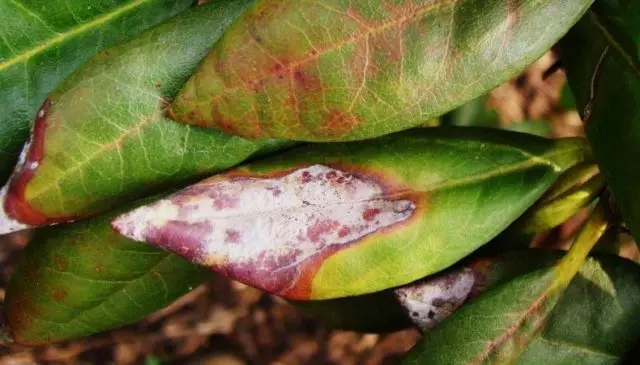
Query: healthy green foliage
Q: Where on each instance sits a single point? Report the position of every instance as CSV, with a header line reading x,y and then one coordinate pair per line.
x,y
43,41
596,321
360,217
602,58
337,70
82,278
103,140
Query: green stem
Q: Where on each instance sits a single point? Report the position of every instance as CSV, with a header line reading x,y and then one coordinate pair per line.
x,y
589,235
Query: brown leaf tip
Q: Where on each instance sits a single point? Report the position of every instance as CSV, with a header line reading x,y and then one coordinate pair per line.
x,y
268,232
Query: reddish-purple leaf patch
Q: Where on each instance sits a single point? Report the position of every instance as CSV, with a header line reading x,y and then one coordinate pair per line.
x,y
270,232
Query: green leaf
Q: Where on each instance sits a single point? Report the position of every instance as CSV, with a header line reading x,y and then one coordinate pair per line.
x,y
374,313
595,322
602,58
43,41
337,70
475,113
342,219
82,278
500,324
101,138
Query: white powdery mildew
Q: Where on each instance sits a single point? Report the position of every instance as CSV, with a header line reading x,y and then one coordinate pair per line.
x,y
273,223
8,224
431,301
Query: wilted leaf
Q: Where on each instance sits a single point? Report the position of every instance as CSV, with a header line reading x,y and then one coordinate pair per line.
x,y
101,139
328,70
342,219
83,278
499,325
43,41
602,58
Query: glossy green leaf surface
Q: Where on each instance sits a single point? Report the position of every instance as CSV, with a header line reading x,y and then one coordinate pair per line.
x,y
602,58
101,138
82,278
43,41
499,325
343,219
337,70
597,320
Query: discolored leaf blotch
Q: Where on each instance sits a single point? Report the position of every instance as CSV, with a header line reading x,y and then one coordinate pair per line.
x,y
83,278
335,220
43,41
335,70
602,58
431,300
101,138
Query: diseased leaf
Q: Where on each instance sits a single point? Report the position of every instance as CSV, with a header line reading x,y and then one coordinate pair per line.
x,y
82,278
43,41
431,300
594,323
343,219
499,325
101,139
602,58
336,70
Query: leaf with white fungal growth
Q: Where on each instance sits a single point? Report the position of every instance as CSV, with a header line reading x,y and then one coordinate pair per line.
x,y
498,326
596,322
334,220
429,301
101,139
335,70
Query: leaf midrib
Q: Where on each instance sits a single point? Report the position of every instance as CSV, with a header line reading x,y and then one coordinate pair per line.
x,y
62,37
512,330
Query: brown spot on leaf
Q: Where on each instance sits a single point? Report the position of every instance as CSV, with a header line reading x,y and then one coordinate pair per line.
x,y
338,123
59,295
60,263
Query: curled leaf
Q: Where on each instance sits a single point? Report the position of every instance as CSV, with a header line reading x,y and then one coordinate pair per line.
x,y
83,278
334,220
43,41
101,139
330,70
